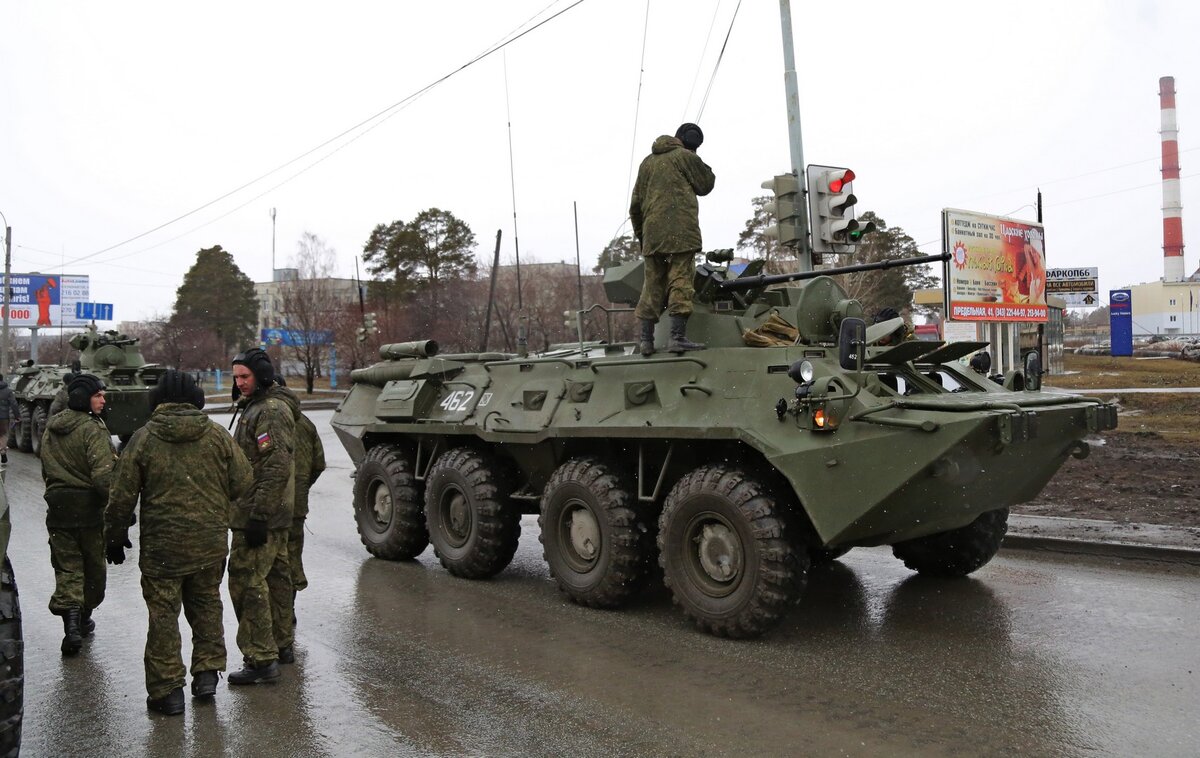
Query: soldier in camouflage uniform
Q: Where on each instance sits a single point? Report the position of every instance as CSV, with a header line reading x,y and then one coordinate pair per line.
x,y
187,471
260,581
666,221
77,463
309,463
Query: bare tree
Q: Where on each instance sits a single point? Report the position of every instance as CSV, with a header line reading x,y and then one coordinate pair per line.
x,y
310,306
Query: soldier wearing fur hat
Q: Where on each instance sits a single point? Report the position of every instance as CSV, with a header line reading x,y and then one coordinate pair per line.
x,y
77,464
186,471
260,582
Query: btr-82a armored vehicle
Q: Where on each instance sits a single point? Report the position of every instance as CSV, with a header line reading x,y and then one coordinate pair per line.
x,y
734,467
113,357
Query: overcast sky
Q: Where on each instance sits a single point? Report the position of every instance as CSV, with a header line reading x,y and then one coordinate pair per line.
x,y
118,117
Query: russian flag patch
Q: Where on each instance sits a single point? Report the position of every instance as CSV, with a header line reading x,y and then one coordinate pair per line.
x,y
264,441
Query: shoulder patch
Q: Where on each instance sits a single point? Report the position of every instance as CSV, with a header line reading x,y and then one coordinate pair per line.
x,y
264,441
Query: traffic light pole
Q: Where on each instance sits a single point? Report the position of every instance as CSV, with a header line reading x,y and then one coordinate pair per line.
x,y
792,89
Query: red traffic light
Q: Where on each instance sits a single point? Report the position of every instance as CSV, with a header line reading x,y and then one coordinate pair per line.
x,y
837,182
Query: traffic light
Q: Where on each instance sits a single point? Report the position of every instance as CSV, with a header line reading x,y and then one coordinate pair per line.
x,y
831,210
369,326
786,208
362,333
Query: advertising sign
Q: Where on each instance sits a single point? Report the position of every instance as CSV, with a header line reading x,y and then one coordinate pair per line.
x,y
997,270
1120,321
45,300
1080,287
296,337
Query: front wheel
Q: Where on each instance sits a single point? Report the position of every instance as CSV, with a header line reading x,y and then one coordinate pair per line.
x,y
387,505
25,432
957,552
473,528
725,553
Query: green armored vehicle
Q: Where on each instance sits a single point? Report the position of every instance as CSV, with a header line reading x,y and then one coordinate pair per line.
x,y
732,467
114,358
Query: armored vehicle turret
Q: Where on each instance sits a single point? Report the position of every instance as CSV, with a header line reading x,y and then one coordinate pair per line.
x,y
114,357
734,468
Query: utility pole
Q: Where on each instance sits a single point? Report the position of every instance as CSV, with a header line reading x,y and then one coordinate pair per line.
x,y
795,141
7,289
272,244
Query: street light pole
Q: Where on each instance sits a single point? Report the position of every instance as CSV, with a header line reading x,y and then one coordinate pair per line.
x,y
7,289
272,244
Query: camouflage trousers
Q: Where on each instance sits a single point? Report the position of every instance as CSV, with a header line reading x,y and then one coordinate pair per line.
x,y
200,595
260,586
296,554
80,573
670,278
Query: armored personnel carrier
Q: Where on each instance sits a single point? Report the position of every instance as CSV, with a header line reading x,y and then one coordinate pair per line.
x,y
733,467
114,358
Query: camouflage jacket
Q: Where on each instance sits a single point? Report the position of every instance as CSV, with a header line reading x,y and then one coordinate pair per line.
x,y
309,457
77,464
187,471
59,404
266,434
664,209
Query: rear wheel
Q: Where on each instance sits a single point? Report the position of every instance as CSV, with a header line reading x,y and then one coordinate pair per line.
x,y
473,529
387,505
590,534
957,552
12,665
40,418
725,555
25,432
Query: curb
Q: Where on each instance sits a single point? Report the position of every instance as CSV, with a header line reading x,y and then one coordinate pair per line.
x,y
1127,550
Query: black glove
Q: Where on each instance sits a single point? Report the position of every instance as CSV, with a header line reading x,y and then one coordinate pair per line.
x,y
114,551
133,518
256,533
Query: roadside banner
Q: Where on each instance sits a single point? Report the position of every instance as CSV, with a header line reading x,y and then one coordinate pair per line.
x,y
1079,287
45,300
997,269
1120,322
296,337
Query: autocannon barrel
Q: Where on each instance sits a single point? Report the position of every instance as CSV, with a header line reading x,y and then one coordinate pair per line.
x,y
416,349
382,373
763,280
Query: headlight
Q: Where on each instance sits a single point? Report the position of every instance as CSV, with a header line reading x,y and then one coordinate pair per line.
x,y
806,371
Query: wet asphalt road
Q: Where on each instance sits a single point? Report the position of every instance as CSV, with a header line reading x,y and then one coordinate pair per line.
x,y
1035,655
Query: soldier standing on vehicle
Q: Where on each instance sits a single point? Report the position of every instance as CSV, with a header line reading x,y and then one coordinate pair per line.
x,y
9,413
77,465
260,582
187,471
309,463
666,221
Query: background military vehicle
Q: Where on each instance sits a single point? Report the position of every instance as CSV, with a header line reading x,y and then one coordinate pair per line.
x,y
732,467
112,356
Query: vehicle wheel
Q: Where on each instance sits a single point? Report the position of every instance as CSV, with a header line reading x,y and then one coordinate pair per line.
x,y
725,553
12,665
40,418
957,552
387,505
818,556
591,538
25,433
473,530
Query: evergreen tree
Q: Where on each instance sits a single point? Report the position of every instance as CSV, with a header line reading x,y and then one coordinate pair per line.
x,y
216,294
619,250
889,288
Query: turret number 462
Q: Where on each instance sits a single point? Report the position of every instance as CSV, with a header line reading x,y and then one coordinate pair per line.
x,y
459,400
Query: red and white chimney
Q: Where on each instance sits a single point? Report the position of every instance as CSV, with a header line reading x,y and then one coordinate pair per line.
x,y
1172,204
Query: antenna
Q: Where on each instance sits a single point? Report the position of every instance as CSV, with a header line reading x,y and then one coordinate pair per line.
x,y
522,338
487,321
578,277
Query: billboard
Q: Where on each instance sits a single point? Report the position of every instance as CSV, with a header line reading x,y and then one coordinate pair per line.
x,y
997,269
296,337
1120,322
1079,287
45,300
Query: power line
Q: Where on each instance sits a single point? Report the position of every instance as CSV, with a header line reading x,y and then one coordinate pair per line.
x,y
717,67
700,63
379,115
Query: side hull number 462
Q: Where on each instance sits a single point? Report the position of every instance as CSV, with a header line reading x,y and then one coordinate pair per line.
x,y
459,400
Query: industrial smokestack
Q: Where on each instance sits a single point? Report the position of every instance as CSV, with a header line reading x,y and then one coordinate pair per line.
x,y
1172,204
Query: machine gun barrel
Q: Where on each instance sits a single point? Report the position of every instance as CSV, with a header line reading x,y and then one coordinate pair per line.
x,y
763,280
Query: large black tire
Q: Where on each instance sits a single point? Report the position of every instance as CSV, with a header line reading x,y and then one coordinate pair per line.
x,y
726,554
957,552
12,665
387,505
591,539
25,432
40,419
473,528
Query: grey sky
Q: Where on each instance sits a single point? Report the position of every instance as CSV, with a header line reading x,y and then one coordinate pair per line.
x,y
121,116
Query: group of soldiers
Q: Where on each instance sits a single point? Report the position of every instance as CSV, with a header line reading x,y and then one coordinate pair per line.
x,y
195,485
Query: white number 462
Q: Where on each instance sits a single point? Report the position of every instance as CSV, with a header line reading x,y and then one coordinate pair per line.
x,y
459,400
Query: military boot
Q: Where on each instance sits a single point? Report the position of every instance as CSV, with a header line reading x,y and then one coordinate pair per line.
x,y
679,341
646,343
253,673
204,683
170,704
72,634
86,624
287,654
